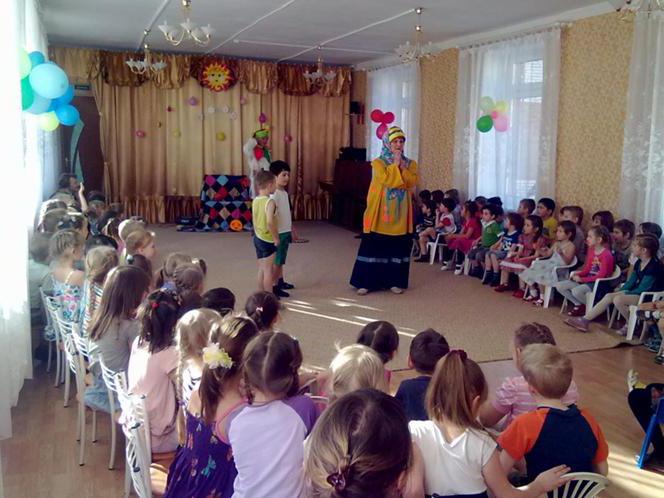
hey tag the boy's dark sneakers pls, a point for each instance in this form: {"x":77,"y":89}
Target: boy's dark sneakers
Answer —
{"x":488,"y":278}
{"x":282,"y":284}
{"x":279,"y":292}
{"x":495,"y":279}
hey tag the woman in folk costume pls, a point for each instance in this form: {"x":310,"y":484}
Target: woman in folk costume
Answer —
{"x":383,"y":260}
{"x":257,"y":153}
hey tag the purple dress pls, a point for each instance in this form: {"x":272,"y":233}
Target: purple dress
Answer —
{"x":204,"y":467}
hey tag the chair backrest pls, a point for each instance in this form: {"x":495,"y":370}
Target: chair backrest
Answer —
{"x":52,"y":306}
{"x":138,"y":459}
{"x":582,"y":485}
{"x":133,"y":407}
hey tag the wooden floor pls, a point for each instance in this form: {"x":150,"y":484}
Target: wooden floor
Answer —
{"x":41,"y":460}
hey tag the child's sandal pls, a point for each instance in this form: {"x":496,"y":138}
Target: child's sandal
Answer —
{"x":539,"y":302}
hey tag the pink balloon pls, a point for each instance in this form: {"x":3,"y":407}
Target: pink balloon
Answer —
{"x":495,"y":114}
{"x":501,"y":123}
{"x":382,"y":129}
{"x":388,"y":118}
{"x":262,"y":118}
{"x":377,"y":116}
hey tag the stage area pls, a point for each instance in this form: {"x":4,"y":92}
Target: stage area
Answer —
{"x":324,"y":310}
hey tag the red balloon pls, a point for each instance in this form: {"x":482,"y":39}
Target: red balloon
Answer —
{"x":377,"y":116}
{"x":388,"y":118}
{"x":382,"y":129}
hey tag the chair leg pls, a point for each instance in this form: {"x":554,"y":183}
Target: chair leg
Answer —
{"x":67,"y":387}
{"x":563,"y":308}
{"x":111,"y":462}
{"x":81,"y":412}
{"x":57,"y":365}
{"x":613,"y":317}
{"x":94,"y":426}
{"x":631,"y":323}
{"x":63,"y":366}
{"x":50,"y":353}
{"x":432,"y":252}
{"x":127,"y":489}
{"x":547,"y":295}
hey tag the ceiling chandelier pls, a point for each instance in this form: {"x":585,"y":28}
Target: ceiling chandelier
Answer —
{"x":146,"y":66}
{"x":629,"y":8}
{"x":409,"y":52}
{"x":188,"y":30}
{"x":320,"y":74}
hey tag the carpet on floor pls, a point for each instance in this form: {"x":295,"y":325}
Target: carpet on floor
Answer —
{"x":324,"y":311}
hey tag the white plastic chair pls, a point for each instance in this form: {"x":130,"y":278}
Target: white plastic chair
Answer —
{"x":549,"y":289}
{"x":590,"y":297}
{"x":434,"y":247}
{"x":112,"y":389}
{"x":76,"y":363}
{"x":582,"y":485}
{"x":632,"y":319}
{"x":52,"y":307}
{"x":138,"y":459}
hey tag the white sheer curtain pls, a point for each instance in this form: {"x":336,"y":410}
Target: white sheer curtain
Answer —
{"x":27,"y":151}
{"x":395,"y":89}
{"x":524,"y":72}
{"x":642,"y":182}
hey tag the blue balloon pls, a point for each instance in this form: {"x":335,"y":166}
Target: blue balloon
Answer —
{"x":65,"y":99}
{"x":49,"y":81}
{"x":36,"y":58}
{"x":67,"y":115}
{"x":39,"y":105}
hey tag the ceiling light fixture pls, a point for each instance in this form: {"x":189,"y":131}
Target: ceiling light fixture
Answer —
{"x":320,"y":74}
{"x":188,"y":30}
{"x":410,"y":52}
{"x":629,"y":8}
{"x":146,"y":65}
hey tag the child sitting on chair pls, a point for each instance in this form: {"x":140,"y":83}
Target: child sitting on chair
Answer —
{"x":543,"y":272}
{"x":426,"y":229}
{"x":460,"y":243}
{"x":491,"y":233}
{"x":500,"y":250}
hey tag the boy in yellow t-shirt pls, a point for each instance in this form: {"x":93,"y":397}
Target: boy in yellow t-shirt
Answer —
{"x":266,"y":236}
{"x":545,"y":209}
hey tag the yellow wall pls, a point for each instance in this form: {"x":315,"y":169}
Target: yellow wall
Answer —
{"x":593,"y":91}
{"x":591,"y":117}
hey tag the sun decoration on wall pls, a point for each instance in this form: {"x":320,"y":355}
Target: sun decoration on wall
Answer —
{"x":217,"y":76}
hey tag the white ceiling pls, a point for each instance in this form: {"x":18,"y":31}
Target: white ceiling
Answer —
{"x":299,"y":25}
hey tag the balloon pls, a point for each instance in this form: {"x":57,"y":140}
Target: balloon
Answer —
{"x":501,"y":107}
{"x":377,"y":116}
{"x":48,"y":121}
{"x":67,"y":114}
{"x":381,"y":131}
{"x":494,"y":114}
{"x":39,"y":105}
{"x":24,"y":64}
{"x":221,"y":136}
{"x":486,"y":104}
{"x":262,"y":118}
{"x":502,"y":123}
{"x":65,"y":98}
{"x":484,"y":124}
{"x":36,"y":58}
{"x":388,"y":117}
{"x":49,"y":81}
{"x":27,"y":95}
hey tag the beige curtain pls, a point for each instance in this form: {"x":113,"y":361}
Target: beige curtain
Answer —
{"x":155,"y":174}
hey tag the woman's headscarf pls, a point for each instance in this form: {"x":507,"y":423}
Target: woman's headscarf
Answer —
{"x":392,"y":133}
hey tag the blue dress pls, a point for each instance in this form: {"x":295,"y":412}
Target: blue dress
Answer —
{"x":204,"y":467}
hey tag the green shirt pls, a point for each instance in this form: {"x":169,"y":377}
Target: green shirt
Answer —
{"x":491,"y":233}
{"x":259,"y":216}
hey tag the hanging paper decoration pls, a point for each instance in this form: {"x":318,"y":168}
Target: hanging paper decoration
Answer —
{"x":217,"y":76}
{"x":221,"y":136}
{"x":494,"y":115}
{"x":177,"y":133}
{"x":225,"y":109}
{"x":384,"y":119}
{"x":211,"y":110}
{"x":192,"y":101}
{"x":243,"y":100}
{"x":170,"y":109}
{"x":262,"y":118}
{"x":233,"y":115}
{"x":140,"y":133}
{"x":287,"y":138}
{"x":45,"y":91}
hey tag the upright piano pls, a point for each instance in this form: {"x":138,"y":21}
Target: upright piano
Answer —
{"x":349,"y":191}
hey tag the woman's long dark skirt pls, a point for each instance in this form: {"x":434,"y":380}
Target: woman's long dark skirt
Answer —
{"x":383,"y":261}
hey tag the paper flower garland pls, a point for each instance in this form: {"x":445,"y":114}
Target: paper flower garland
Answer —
{"x":217,"y":77}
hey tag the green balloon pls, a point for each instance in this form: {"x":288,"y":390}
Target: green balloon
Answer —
{"x":484,"y":124}
{"x":27,"y":94}
{"x":24,"y":63}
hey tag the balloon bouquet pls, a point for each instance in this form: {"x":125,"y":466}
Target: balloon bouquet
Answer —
{"x":384,"y":118}
{"x":45,"y":91}
{"x":494,"y":115}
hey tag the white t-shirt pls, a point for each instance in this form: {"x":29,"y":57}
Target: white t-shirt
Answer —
{"x":267,"y":442}
{"x":284,"y":220}
{"x":453,"y":468}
